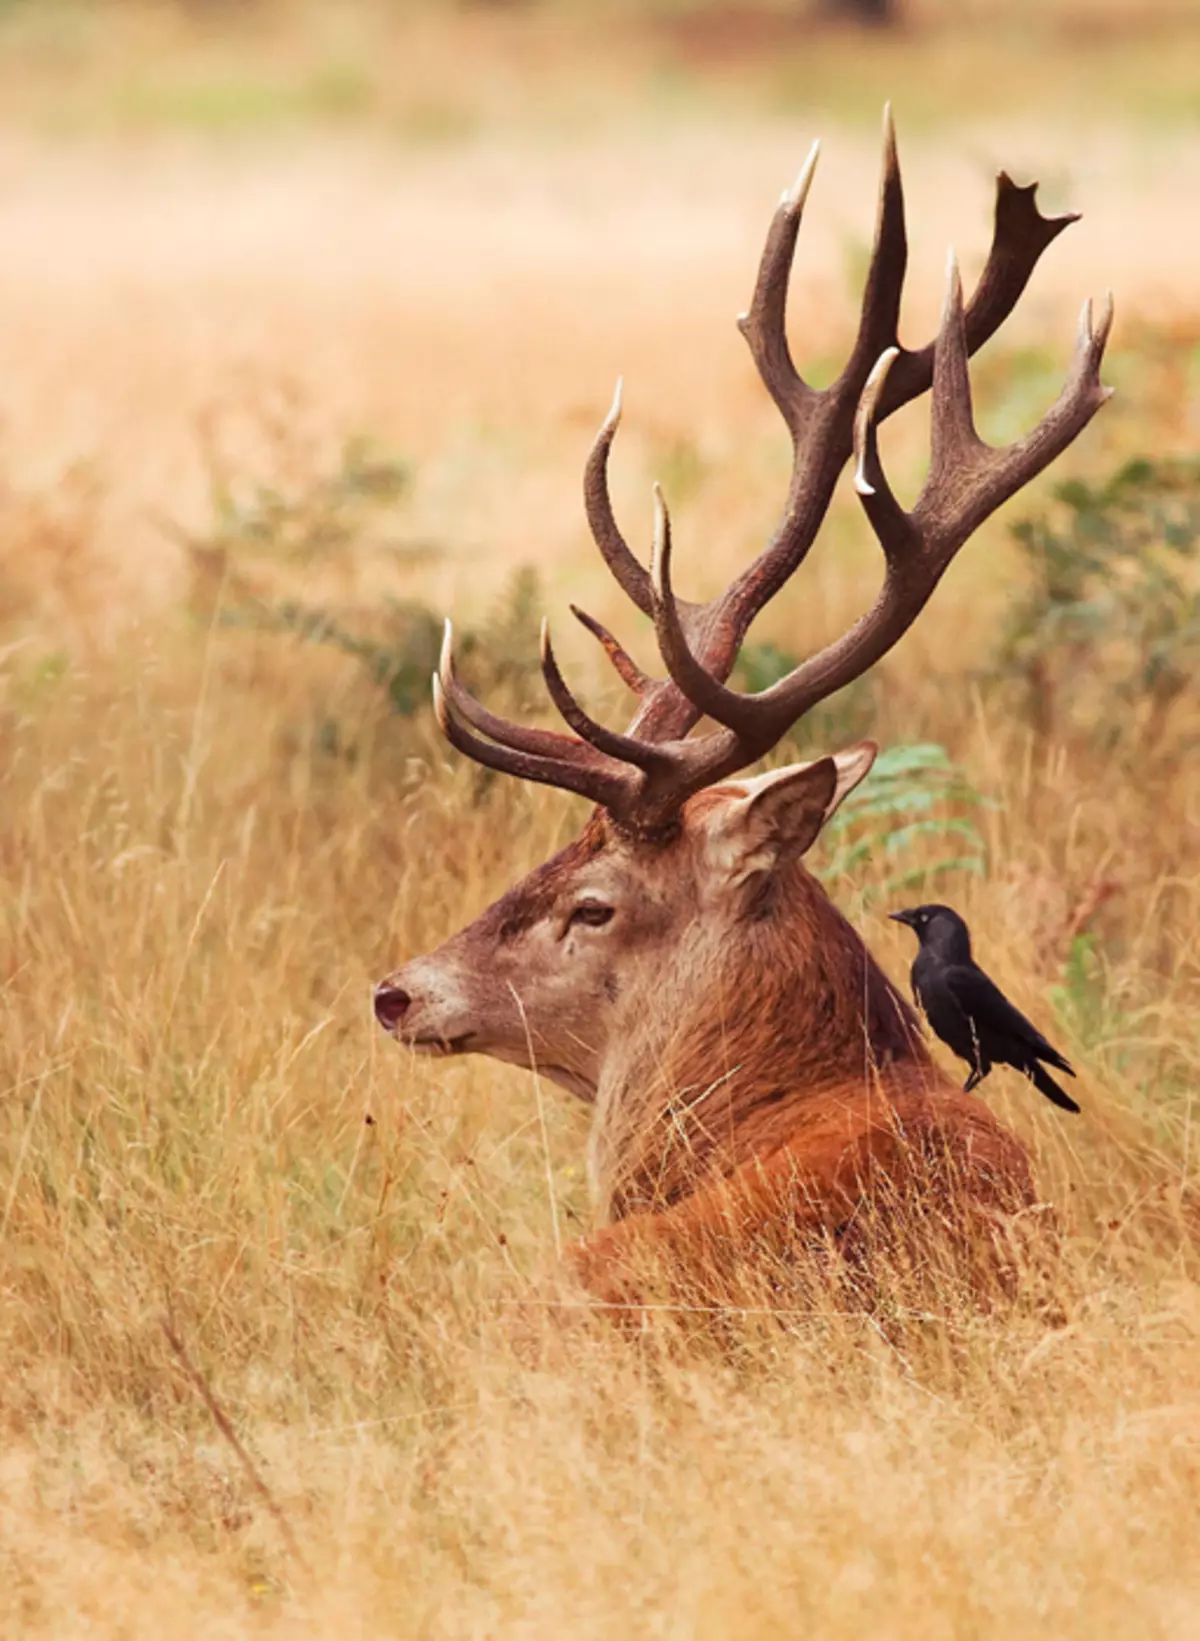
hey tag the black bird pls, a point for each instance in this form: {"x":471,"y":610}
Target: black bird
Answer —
{"x":969,"y":1012}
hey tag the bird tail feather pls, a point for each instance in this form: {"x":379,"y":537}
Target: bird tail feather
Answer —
{"x":1045,"y":1084}
{"x":1054,"y":1058}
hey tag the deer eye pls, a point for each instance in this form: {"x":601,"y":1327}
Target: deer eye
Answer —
{"x":591,"y":914}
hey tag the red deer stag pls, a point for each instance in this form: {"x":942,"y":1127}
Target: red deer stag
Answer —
{"x":753,"y":1073}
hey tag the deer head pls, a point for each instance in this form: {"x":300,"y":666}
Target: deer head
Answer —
{"x":679,"y":940}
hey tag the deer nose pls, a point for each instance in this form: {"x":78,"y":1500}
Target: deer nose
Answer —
{"x":391,"y":1005}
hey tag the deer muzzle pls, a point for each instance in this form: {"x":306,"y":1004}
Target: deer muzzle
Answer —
{"x":423,"y":1007}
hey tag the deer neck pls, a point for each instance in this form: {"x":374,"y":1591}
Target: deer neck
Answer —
{"x":720,"y":1064}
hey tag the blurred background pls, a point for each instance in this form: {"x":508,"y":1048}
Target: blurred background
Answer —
{"x":239,"y":236}
{"x":309,"y":313}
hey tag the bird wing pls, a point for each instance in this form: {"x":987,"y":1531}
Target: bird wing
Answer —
{"x":986,"y":1005}
{"x":945,"y":1014}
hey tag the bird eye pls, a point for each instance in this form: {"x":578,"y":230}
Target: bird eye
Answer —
{"x":591,"y":914}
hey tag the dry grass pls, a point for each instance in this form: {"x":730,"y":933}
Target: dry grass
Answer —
{"x":199,"y":1121}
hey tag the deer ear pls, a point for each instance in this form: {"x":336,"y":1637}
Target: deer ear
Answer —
{"x":777,"y":816}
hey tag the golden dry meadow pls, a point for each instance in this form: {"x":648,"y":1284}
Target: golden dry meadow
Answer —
{"x":307,"y":318}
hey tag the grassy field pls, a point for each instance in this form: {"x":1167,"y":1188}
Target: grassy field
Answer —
{"x":319,"y":312}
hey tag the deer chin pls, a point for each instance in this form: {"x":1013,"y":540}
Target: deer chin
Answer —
{"x":438,"y":1047}
{"x":575,"y":1082}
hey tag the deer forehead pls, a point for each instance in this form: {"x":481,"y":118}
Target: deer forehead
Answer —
{"x":596,"y":865}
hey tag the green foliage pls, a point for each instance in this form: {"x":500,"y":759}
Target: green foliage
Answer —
{"x":332,"y":513}
{"x":263,"y":537}
{"x":400,"y":656}
{"x":501,"y":655}
{"x":241,"y":99}
{"x":1107,"y":637}
{"x":1110,"y":1019}
{"x":682,"y":468}
{"x":1081,"y":996}
{"x":761,"y":665}
{"x":915,"y":811}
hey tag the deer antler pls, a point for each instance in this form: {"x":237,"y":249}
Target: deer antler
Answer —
{"x":644,"y":776}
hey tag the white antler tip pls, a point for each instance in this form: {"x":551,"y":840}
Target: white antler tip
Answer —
{"x":889,"y":138}
{"x":881,"y":367}
{"x":864,"y":420}
{"x":953,"y":284}
{"x":660,"y":547}
{"x":544,"y":638}
{"x":445,"y":660}
{"x":439,"y":702}
{"x":795,"y":196}
{"x":614,"y":410}
{"x":1106,"y":318}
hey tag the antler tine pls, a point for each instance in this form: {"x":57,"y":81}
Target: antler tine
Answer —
{"x":629,"y":574}
{"x":764,"y":324}
{"x":884,"y":287}
{"x":868,"y":473}
{"x":825,"y":418}
{"x":610,"y":789}
{"x":706,"y":694}
{"x":542,"y":743}
{"x":622,"y":747}
{"x":952,"y":430}
{"x":626,"y":668}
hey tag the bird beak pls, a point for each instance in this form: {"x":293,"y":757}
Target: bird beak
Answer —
{"x":901,"y":917}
